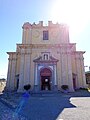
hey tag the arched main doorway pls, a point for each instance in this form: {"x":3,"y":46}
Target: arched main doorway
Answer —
{"x":46,"y":79}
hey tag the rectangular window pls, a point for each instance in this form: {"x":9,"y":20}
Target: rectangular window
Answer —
{"x":45,"y":35}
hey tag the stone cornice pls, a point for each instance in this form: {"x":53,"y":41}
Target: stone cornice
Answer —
{"x":25,"y":46}
{"x":78,"y":52}
{"x":11,"y":53}
{"x":12,"y":59}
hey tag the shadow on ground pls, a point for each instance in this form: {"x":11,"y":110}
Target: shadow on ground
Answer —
{"x":46,"y":106}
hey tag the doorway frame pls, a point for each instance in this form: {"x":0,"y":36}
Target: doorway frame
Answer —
{"x":45,"y":73}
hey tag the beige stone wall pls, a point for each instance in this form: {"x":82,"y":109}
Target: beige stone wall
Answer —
{"x":58,"y":33}
{"x":62,"y":64}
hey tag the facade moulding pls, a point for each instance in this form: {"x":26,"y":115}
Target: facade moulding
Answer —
{"x":79,"y":58}
{"x":45,"y":45}
{"x":25,"y":53}
{"x":11,"y":59}
{"x":11,"y":53}
{"x":79,"y":52}
{"x":63,"y":53}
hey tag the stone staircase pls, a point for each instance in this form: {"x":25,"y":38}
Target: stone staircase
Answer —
{"x":45,"y":93}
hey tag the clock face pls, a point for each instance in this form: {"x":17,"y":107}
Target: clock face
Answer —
{"x":36,"y":34}
{"x":54,"y":33}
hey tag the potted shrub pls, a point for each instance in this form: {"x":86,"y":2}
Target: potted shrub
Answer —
{"x":27,"y":87}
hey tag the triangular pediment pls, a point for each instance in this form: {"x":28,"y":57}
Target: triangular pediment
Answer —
{"x":40,"y":59}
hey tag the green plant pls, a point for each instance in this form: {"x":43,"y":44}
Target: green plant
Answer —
{"x":83,"y":88}
{"x":27,"y":87}
{"x":64,"y":87}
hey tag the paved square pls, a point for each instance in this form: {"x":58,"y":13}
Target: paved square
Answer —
{"x":55,"y":106}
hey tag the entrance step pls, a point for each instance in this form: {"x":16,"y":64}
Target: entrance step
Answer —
{"x":46,"y":93}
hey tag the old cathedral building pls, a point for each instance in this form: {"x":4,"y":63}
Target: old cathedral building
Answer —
{"x":46,"y":59}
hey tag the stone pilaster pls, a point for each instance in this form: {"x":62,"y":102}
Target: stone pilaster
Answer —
{"x":8,"y":74}
{"x":27,"y":69}
{"x":36,"y":87}
{"x":36,"y":82}
{"x":55,"y":77}
{"x":70,"y":79}
{"x":63,"y":78}
{"x":60,"y":74}
{"x":21,"y":74}
{"x":78,"y":71}
{"x":84,"y":85}
{"x":23,"y":36}
{"x":62,"y":68}
{"x":36,"y":79}
{"x":11,"y":72}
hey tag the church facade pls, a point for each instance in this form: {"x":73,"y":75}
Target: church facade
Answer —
{"x":46,"y":59}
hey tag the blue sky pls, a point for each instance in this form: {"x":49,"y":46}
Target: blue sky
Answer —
{"x":13,"y":13}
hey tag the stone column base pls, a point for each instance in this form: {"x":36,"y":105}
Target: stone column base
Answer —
{"x":36,"y":88}
{"x":20,"y":90}
{"x":71,"y":90}
{"x":55,"y":88}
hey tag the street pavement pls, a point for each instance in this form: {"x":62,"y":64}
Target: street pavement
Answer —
{"x":8,"y":114}
{"x":81,"y":111}
{"x":54,"y":106}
